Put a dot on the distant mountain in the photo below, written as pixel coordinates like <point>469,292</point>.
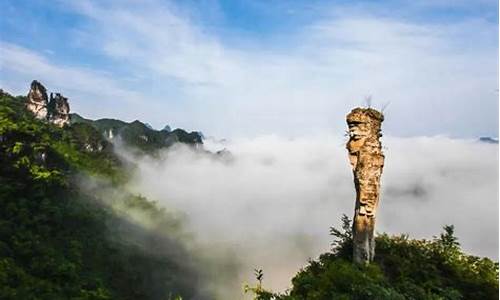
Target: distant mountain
<point>489,140</point>
<point>135,134</point>
<point>138,134</point>
<point>69,227</point>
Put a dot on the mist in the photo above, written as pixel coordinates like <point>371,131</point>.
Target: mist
<point>268,202</point>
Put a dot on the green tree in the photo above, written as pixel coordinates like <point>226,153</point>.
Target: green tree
<point>403,268</point>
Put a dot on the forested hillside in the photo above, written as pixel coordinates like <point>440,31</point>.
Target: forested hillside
<point>139,135</point>
<point>59,240</point>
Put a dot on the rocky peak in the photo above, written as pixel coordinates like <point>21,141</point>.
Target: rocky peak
<point>367,161</point>
<point>37,100</point>
<point>55,111</point>
<point>58,109</point>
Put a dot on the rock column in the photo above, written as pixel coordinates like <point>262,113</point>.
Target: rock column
<point>37,100</point>
<point>58,110</point>
<point>367,161</point>
<point>55,110</point>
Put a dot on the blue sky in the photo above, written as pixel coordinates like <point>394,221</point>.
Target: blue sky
<point>247,68</point>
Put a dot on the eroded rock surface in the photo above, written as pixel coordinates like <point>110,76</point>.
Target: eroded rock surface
<point>367,161</point>
<point>58,110</point>
<point>55,111</point>
<point>37,100</point>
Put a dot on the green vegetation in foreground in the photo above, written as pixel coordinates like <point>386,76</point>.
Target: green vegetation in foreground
<point>403,269</point>
<point>58,241</point>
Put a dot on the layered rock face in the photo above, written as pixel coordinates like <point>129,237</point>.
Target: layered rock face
<point>58,110</point>
<point>367,161</point>
<point>37,100</point>
<point>55,111</point>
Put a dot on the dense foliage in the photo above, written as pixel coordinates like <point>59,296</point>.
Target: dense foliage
<point>139,135</point>
<point>58,241</point>
<point>404,268</point>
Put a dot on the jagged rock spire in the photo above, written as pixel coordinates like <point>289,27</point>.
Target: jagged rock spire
<point>55,111</point>
<point>367,161</point>
<point>58,109</point>
<point>37,100</point>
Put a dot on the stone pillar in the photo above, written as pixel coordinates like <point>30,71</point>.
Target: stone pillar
<point>367,161</point>
<point>37,100</point>
<point>58,110</point>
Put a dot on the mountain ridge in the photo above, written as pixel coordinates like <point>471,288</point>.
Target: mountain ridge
<point>62,235</point>
<point>137,134</point>
<point>69,229</point>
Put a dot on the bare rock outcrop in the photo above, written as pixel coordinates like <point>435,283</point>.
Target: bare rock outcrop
<point>367,161</point>
<point>37,100</point>
<point>55,111</point>
<point>58,110</point>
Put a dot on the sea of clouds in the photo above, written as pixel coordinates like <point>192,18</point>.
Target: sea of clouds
<point>268,202</point>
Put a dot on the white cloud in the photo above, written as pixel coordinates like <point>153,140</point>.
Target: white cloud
<point>23,61</point>
<point>272,201</point>
<point>19,66</point>
<point>278,195</point>
<point>425,70</point>
<point>440,78</point>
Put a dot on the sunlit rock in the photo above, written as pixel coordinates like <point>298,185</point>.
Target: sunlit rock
<point>55,110</point>
<point>367,161</point>
<point>37,100</point>
<point>58,110</point>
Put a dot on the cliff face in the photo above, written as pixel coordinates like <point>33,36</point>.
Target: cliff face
<point>58,109</point>
<point>55,111</point>
<point>37,100</point>
<point>367,161</point>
